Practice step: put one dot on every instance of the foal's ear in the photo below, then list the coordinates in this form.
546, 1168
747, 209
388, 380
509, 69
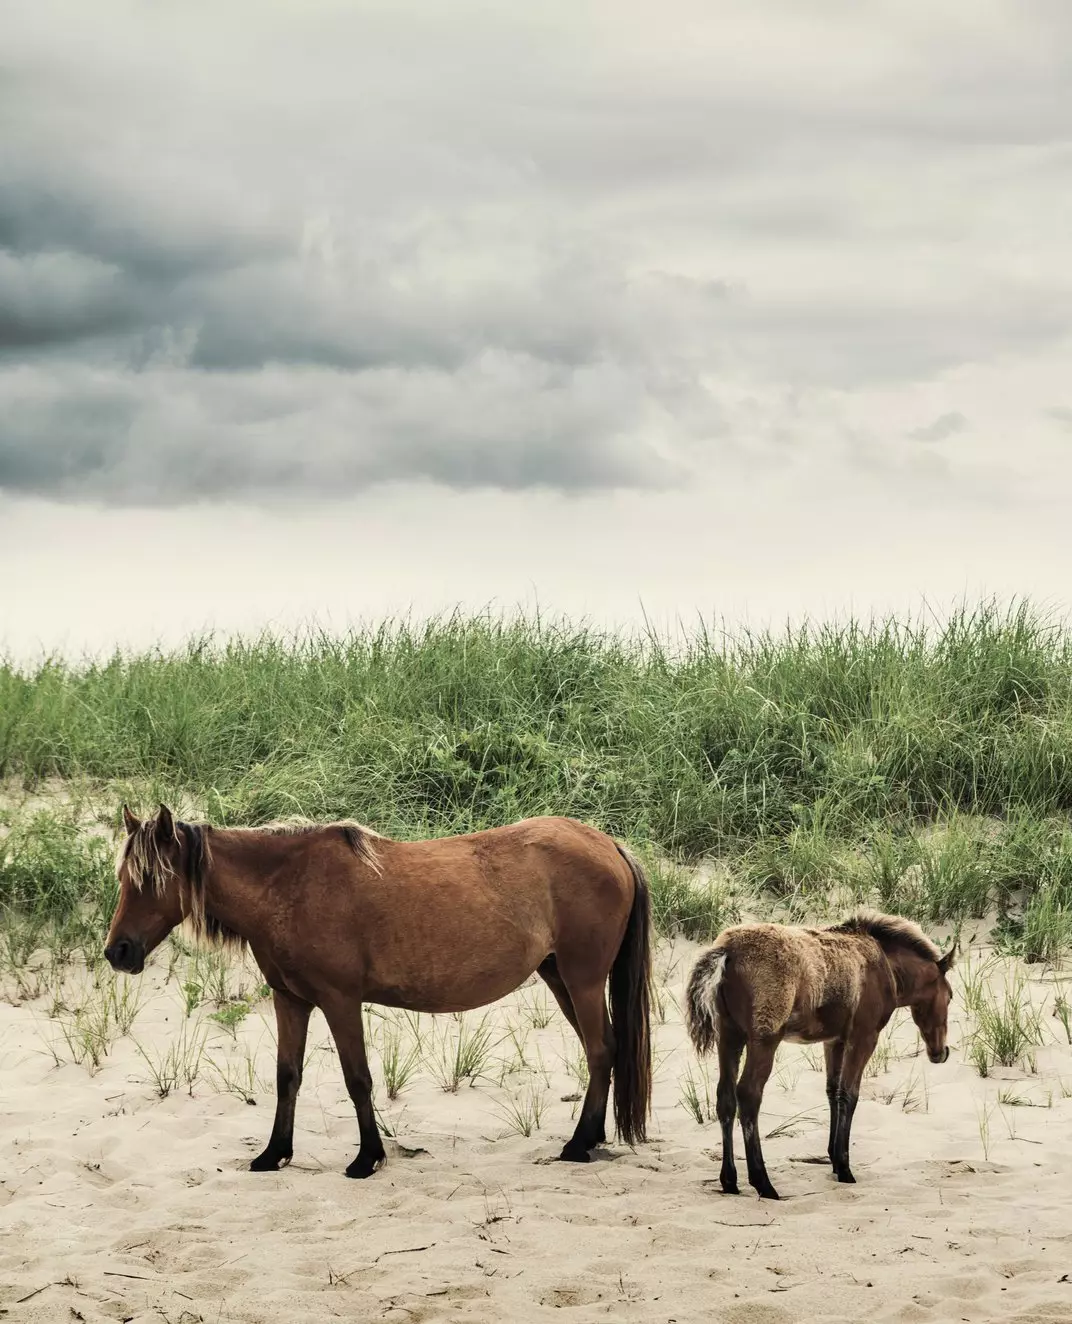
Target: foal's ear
945, 963
130, 822
165, 824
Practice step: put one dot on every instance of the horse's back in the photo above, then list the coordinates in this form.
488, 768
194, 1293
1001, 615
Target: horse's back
531, 848
548, 866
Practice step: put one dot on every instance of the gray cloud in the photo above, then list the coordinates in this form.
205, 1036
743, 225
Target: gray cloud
286, 251
943, 427
104, 437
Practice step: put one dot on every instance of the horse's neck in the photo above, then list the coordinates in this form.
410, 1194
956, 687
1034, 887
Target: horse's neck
906, 968
231, 882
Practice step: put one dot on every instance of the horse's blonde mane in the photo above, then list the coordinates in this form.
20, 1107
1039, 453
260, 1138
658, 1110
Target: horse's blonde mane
359, 837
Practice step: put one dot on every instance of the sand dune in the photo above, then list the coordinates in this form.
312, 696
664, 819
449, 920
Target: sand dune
116, 1204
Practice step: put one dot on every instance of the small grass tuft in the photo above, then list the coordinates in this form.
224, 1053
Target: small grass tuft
696, 1096
1008, 1026
463, 1054
523, 1110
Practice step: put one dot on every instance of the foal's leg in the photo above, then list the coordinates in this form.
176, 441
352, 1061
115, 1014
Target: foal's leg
292, 1023
348, 1032
597, 1036
730, 1048
757, 1069
834, 1052
858, 1050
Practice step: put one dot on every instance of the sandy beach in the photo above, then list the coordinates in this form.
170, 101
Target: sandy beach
119, 1204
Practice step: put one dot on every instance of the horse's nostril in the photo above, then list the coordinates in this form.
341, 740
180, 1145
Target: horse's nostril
118, 953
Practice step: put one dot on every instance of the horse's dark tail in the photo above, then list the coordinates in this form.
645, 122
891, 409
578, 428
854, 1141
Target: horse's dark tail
701, 1015
630, 1009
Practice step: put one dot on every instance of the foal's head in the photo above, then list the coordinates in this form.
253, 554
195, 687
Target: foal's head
919, 969
156, 866
931, 997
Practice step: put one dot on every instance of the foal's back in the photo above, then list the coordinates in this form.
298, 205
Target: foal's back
781, 981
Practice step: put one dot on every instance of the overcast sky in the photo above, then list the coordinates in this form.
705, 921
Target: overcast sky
336, 310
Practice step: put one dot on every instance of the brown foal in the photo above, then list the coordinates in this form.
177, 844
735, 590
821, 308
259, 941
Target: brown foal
762, 983
336, 915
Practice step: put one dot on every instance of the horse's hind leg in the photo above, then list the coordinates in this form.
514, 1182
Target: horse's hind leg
548, 972
345, 1022
834, 1053
292, 1025
594, 1027
730, 1048
757, 1069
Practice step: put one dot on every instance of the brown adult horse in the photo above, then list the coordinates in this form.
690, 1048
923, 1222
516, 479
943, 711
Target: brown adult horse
762, 983
337, 915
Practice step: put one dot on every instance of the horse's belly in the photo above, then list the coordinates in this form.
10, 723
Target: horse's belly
815, 1027
810, 1034
446, 997
469, 980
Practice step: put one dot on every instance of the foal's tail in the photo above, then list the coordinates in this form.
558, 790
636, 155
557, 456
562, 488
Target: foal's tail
630, 1009
701, 1015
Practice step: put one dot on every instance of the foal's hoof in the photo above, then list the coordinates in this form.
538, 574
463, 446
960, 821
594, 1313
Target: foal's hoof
574, 1154
846, 1176
768, 1192
269, 1162
365, 1167
730, 1187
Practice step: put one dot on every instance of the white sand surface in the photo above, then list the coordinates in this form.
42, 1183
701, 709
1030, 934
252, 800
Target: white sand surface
117, 1204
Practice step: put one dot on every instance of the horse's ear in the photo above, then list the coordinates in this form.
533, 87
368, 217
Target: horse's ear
945, 963
165, 824
130, 822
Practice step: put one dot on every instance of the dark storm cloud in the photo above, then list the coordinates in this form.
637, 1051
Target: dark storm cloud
99, 436
310, 250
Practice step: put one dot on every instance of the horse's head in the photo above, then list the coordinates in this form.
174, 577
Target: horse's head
932, 995
152, 869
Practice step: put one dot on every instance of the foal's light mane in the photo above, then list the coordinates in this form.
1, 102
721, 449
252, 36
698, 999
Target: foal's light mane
147, 861
891, 931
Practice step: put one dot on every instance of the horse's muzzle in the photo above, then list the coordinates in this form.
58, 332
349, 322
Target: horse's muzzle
127, 955
941, 1056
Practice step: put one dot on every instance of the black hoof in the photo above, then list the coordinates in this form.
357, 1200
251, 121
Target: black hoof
846, 1176
730, 1188
364, 1167
574, 1153
269, 1162
768, 1192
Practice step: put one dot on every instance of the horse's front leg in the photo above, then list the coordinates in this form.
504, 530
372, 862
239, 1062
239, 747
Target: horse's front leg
292, 1025
345, 1021
757, 1069
858, 1049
